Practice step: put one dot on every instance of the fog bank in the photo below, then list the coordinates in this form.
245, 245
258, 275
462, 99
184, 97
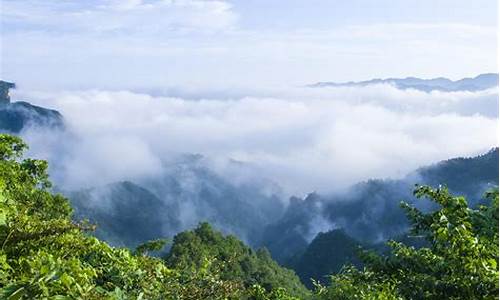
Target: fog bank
303, 139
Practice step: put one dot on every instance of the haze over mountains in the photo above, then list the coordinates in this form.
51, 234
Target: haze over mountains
301, 138
235, 149
255, 149
130, 213
369, 211
187, 193
478, 83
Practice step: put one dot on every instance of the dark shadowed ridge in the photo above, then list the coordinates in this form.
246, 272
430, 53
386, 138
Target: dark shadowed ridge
327, 254
125, 213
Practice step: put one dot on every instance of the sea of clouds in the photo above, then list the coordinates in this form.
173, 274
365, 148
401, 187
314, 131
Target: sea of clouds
304, 139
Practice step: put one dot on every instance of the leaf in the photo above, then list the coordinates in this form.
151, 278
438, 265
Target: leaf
17, 294
3, 218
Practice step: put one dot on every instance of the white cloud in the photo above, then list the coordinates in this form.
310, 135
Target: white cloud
117, 17
304, 139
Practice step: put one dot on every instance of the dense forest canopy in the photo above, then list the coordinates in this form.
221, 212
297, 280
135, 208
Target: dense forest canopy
44, 254
233, 259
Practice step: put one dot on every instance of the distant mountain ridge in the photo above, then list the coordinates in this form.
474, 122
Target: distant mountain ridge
478, 83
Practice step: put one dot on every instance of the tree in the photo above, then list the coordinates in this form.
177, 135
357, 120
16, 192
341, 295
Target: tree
232, 260
460, 263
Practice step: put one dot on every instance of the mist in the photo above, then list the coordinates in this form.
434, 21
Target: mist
303, 139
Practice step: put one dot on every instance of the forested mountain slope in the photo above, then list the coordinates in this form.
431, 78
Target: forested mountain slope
186, 193
370, 211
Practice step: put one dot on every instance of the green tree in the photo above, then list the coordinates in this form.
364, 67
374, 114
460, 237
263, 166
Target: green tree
233, 260
460, 263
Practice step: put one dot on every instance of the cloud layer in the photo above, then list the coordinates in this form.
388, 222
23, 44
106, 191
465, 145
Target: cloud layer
304, 139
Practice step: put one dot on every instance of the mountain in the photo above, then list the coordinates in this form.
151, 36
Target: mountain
370, 211
464, 175
366, 216
478, 83
16, 116
327, 254
186, 193
314, 235
331, 251
125, 213
191, 250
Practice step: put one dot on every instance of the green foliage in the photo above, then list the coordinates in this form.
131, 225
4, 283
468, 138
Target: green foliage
233, 260
45, 255
460, 263
150, 246
259, 293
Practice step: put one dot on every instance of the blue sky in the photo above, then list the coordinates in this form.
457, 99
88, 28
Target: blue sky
195, 44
